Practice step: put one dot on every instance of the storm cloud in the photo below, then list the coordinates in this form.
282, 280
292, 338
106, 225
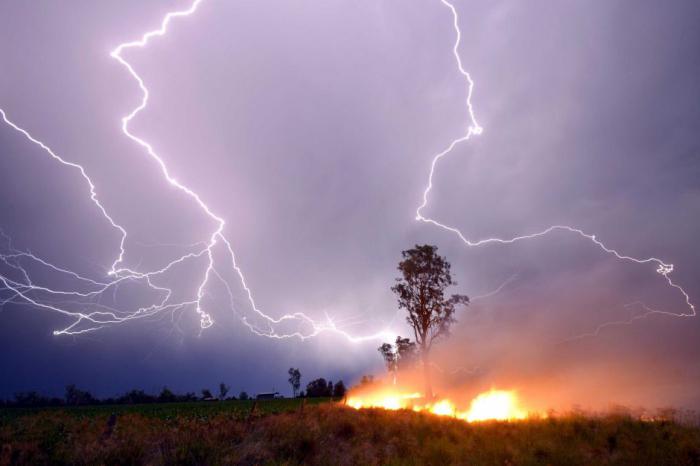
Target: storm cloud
310, 127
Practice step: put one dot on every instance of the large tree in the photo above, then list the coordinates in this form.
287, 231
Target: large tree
420, 289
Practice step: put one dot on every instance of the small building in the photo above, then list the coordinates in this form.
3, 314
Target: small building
268, 396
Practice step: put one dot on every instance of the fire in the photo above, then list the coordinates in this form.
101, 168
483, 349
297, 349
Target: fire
495, 404
386, 399
443, 408
492, 405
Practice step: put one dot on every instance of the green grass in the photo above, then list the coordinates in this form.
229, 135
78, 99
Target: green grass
330, 434
199, 409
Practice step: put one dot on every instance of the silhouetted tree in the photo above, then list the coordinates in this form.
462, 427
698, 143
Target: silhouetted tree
318, 387
32, 399
75, 396
339, 389
294, 380
421, 291
407, 353
136, 397
167, 396
243, 396
223, 390
367, 380
400, 356
390, 356
206, 394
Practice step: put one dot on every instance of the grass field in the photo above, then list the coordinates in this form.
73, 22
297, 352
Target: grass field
198, 409
329, 433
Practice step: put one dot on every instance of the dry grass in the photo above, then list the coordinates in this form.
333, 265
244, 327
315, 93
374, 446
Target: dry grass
329, 434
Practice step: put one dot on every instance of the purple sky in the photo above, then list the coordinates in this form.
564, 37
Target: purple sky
310, 127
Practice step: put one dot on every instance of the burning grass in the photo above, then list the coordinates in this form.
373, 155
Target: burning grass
334, 434
501, 405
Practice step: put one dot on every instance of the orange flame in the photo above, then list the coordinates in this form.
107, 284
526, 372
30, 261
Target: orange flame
495, 404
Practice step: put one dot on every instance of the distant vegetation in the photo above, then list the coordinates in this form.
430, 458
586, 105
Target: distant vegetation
328, 433
77, 397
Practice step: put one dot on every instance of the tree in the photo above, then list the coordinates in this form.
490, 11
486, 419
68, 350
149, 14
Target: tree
136, 397
243, 396
421, 291
294, 380
366, 380
400, 356
339, 389
389, 355
407, 353
166, 396
32, 399
317, 388
206, 394
223, 390
75, 396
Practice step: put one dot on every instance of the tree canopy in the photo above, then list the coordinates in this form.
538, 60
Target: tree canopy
421, 291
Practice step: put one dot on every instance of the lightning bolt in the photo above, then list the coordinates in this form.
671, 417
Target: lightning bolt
88, 314
23, 290
473, 129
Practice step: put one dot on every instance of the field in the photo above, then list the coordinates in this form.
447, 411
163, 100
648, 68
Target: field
282, 432
195, 409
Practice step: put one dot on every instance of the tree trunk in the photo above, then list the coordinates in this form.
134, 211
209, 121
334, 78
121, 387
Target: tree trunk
426, 376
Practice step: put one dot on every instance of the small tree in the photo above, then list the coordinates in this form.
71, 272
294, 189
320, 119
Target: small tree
367, 380
389, 355
75, 396
339, 389
166, 396
317, 388
206, 394
400, 356
243, 396
421, 291
223, 390
294, 380
406, 352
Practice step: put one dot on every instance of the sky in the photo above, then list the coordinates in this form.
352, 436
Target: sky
310, 128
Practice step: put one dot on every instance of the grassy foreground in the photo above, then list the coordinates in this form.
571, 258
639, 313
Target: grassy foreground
332, 434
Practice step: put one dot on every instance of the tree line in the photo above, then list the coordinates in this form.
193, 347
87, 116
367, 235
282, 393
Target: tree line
74, 396
316, 388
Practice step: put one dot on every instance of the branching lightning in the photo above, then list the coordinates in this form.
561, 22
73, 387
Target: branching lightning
86, 307
22, 289
473, 129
